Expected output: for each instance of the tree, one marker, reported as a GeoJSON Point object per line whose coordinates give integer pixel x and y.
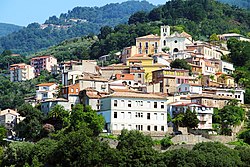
{"type": "Point", "coordinates": [245, 136]}
{"type": "Point", "coordinates": [138, 17]}
{"type": "Point", "coordinates": [178, 120]}
{"type": "Point", "coordinates": [86, 117]}
{"type": "Point", "coordinates": [212, 77]}
{"type": "Point", "coordinates": [190, 119]}
{"type": "Point", "coordinates": [135, 149]}
{"type": "Point", "coordinates": [180, 64]}
{"type": "Point", "coordinates": [3, 133]}
{"type": "Point", "coordinates": [214, 38]}
{"type": "Point", "coordinates": [166, 142]}
{"type": "Point", "coordinates": [44, 150]}
{"type": "Point", "coordinates": [58, 117]}
{"type": "Point", "coordinates": [78, 149]}
{"type": "Point", "coordinates": [31, 126]}
{"type": "Point", "coordinates": [218, 154]}
{"type": "Point", "coordinates": [18, 153]}
{"type": "Point", "coordinates": [165, 49]}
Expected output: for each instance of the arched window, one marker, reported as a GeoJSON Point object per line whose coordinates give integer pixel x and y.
{"type": "Point", "coordinates": [176, 50]}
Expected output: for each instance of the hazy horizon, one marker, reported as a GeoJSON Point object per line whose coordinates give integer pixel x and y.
{"type": "Point", "coordinates": [25, 12]}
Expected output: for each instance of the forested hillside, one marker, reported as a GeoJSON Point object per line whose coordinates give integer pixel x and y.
{"type": "Point", "coordinates": [76, 23]}
{"type": "Point", "coordinates": [239, 3]}
{"type": "Point", "coordinates": [6, 29]}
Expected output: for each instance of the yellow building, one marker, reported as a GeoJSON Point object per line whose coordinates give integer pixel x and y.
{"type": "Point", "coordinates": [225, 79]}
{"type": "Point", "coordinates": [149, 44]}
{"type": "Point", "coordinates": [147, 64]}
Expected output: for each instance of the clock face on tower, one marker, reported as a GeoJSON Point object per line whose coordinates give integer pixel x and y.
{"type": "Point", "coordinates": [164, 34]}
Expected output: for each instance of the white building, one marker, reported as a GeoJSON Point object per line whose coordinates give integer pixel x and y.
{"type": "Point", "coordinates": [204, 113]}
{"type": "Point", "coordinates": [9, 118]}
{"type": "Point", "coordinates": [46, 91]}
{"type": "Point", "coordinates": [131, 110]}
{"type": "Point", "coordinates": [186, 88]}
{"type": "Point", "coordinates": [226, 67]}
{"type": "Point", "coordinates": [92, 81]}
{"type": "Point", "coordinates": [181, 55]}
{"type": "Point", "coordinates": [47, 105]}
{"type": "Point", "coordinates": [21, 72]}
{"type": "Point", "coordinates": [175, 42]}
{"type": "Point", "coordinates": [91, 97]}
{"type": "Point", "coordinates": [69, 77]}
{"type": "Point", "coordinates": [234, 93]}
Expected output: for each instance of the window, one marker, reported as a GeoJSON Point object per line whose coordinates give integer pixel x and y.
{"type": "Point", "coordinates": [148, 104]}
{"type": "Point", "coordinates": [175, 41]}
{"type": "Point", "coordinates": [162, 128]}
{"type": "Point", "coordinates": [129, 115]}
{"type": "Point", "coordinates": [146, 51]}
{"type": "Point", "coordinates": [72, 90]}
{"type": "Point", "coordinates": [146, 44]}
{"type": "Point", "coordinates": [148, 127]}
{"type": "Point", "coordinates": [122, 126]}
{"type": "Point", "coordinates": [123, 115]}
{"type": "Point", "coordinates": [122, 103]}
{"type": "Point", "coordinates": [138, 127]}
{"type": "Point", "coordinates": [155, 116]}
{"type": "Point", "coordinates": [129, 127]}
{"type": "Point", "coordinates": [140, 44]}
{"type": "Point", "coordinates": [115, 103]}
{"type": "Point", "coordinates": [156, 44]}
{"type": "Point", "coordinates": [138, 114]}
{"type": "Point", "coordinates": [162, 105]}
{"type": "Point", "coordinates": [155, 128]}
{"type": "Point", "coordinates": [162, 116]}
{"type": "Point", "coordinates": [155, 104]}
{"type": "Point", "coordinates": [139, 103]}
{"type": "Point", "coordinates": [148, 115]}
{"type": "Point", "coordinates": [129, 103]}
{"type": "Point", "coordinates": [139, 75]}
{"type": "Point", "coordinates": [156, 50]}
{"type": "Point", "coordinates": [76, 90]}
{"type": "Point", "coordinates": [115, 114]}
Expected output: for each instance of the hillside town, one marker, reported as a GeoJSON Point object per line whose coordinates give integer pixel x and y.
{"type": "Point", "coordinates": [143, 90]}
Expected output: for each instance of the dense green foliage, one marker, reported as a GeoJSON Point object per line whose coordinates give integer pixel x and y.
{"type": "Point", "coordinates": [72, 49]}
{"type": "Point", "coordinates": [239, 3]}
{"type": "Point", "coordinates": [6, 59]}
{"type": "Point", "coordinates": [240, 57]}
{"type": "Point", "coordinates": [6, 29]}
{"type": "Point", "coordinates": [13, 94]}
{"type": "Point", "coordinates": [230, 115]}
{"type": "Point", "coordinates": [180, 64]}
{"type": "Point", "coordinates": [33, 38]}
{"type": "Point", "coordinates": [211, 16]}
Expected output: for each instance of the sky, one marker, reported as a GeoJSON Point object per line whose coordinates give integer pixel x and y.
{"type": "Point", "coordinates": [24, 12]}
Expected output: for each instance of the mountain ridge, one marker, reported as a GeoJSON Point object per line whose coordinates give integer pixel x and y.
{"type": "Point", "coordinates": [7, 28]}
{"type": "Point", "coordinates": [34, 37]}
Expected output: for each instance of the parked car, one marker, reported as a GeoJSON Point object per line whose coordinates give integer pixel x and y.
{"type": "Point", "coordinates": [176, 133]}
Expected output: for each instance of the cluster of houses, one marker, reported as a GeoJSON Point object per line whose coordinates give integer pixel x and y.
{"type": "Point", "coordinates": [139, 92]}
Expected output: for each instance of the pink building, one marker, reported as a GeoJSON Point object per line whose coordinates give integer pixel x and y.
{"type": "Point", "coordinates": [46, 62]}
